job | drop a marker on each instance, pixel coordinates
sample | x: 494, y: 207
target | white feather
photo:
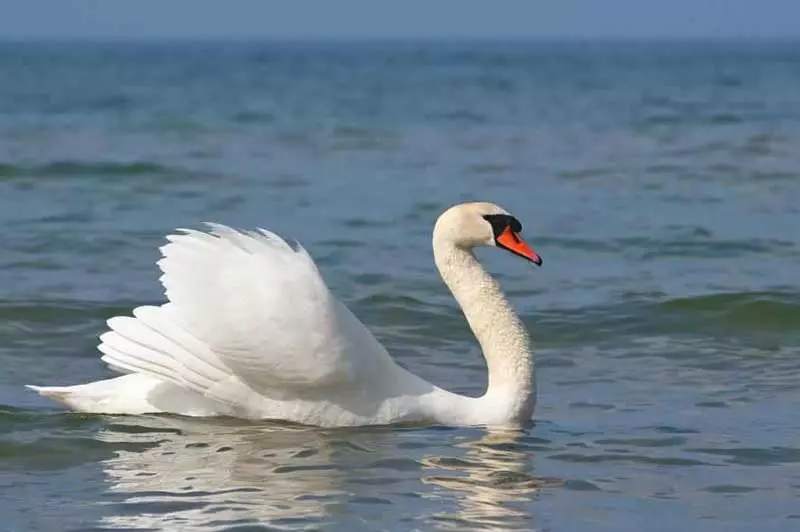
x: 264, y: 310
x: 251, y: 330
x: 251, y: 326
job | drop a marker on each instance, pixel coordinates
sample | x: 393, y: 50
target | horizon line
x: 410, y: 39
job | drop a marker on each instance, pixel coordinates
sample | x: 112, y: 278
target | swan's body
x: 251, y: 330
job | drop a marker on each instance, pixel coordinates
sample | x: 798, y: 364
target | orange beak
x: 511, y: 241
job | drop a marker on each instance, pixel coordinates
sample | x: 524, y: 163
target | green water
x: 660, y: 183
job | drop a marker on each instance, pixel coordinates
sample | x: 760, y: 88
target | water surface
x: 659, y: 182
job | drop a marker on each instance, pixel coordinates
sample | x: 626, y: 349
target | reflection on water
x: 202, y: 474
x: 492, y: 475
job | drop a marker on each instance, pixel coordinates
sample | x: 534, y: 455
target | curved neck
x: 503, y: 339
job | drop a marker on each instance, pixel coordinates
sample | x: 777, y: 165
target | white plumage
x: 251, y: 330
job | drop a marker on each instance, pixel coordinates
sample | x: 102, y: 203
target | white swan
x: 251, y: 330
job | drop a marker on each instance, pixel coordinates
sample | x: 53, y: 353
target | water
x: 658, y: 181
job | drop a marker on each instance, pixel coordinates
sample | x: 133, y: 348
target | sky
x: 399, y: 19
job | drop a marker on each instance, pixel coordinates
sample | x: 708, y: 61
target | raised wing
x: 262, y: 307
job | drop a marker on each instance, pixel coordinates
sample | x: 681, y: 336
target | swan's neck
x: 503, y: 339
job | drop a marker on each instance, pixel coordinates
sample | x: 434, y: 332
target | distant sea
x: 659, y: 181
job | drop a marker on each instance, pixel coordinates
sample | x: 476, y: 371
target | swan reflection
x: 192, y: 474
x: 490, y: 482
x: 195, y: 474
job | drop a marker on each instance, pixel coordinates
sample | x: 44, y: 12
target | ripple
x: 763, y: 310
x: 643, y: 442
x: 697, y: 242
x: 755, y: 456
x: 648, y: 319
x: 629, y: 458
x: 59, y: 311
x: 83, y: 169
x: 729, y: 489
x: 32, y: 441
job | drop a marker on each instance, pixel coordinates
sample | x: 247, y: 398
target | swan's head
x: 470, y: 225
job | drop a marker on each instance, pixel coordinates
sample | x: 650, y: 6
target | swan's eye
x: 506, y: 230
x: 500, y: 222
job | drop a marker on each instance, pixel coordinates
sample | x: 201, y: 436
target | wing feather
x: 262, y: 310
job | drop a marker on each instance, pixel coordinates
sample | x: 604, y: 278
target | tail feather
x: 57, y: 393
x: 81, y: 397
x: 60, y: 394
x: 132, y: 394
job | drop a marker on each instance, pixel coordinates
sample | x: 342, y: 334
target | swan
x: 250, y: 330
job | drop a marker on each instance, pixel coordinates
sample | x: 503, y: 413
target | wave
x: 742, y: 315
x: 770, y: 310
x: 70, y: 168
x: 694, y: 242
x: 47, y: 311
x: 52, y: 440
